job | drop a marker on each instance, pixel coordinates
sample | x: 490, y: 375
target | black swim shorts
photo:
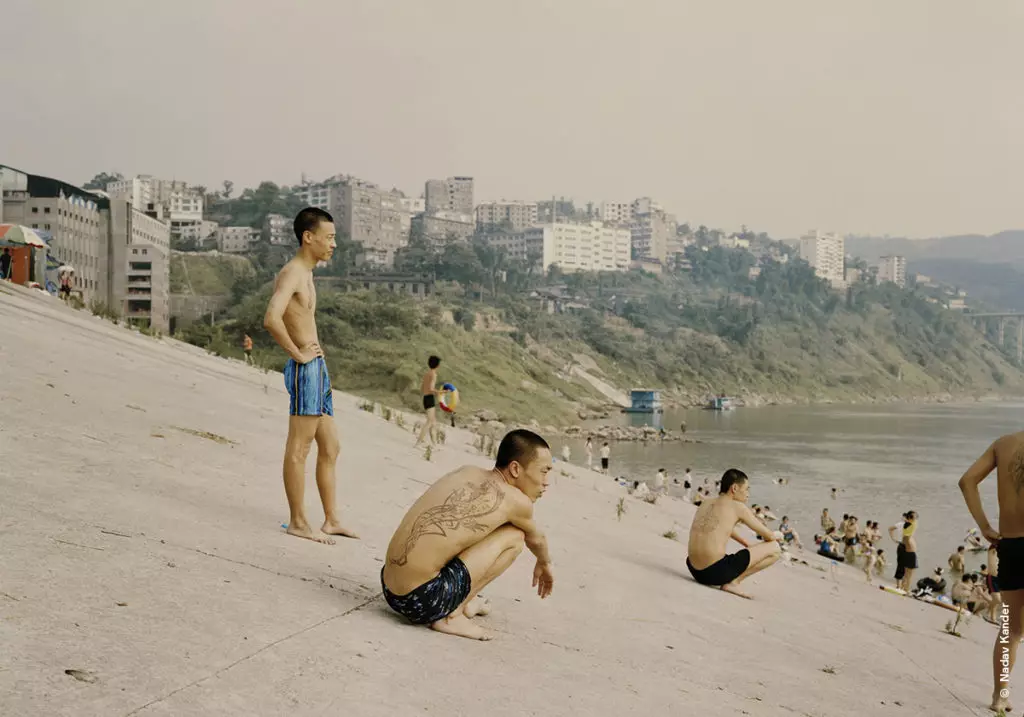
x: 435, y: 599
x: 850, y: 542
x: 722, y: 572
x: 1011, y: 564
x: 429, y: 401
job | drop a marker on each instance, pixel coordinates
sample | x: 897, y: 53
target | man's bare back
x: 464, y: 532
x: 456, y: 512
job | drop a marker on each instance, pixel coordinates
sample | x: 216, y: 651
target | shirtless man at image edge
x: 1006, y: 457
x: 291, y: 320
x: 465, y: 531
x: 714, y: 524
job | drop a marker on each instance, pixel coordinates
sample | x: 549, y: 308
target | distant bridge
x: 1003, y: 317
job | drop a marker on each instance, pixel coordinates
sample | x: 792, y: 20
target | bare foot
x: 333, y: 527
x: 1000, y: 704
x: 477, y: 606
x: 307, y: 533
x: 459, y: 624
x: 734, y: 589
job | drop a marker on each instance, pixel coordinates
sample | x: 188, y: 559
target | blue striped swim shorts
x: 309, y: 388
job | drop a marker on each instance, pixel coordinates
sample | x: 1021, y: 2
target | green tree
x: 101, y: 180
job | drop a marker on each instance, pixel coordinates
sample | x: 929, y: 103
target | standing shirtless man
x: 465, y: 531
x: 1006, y: 456
x: 428, y: 387
x: 290, y: 319
x: 714, y: 523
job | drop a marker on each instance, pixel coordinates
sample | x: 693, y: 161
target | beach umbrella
x: 18, y: 235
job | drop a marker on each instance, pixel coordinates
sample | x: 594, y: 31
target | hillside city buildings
x: 119, y: 240
x: 826, y: 253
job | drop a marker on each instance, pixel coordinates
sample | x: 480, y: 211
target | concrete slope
x: 152, y: 561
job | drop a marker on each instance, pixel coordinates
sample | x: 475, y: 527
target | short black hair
x: 433, y: 362
x: 519, y: 445
x: 960, y: 548
x: 732, y: 477
x: 308, y: 220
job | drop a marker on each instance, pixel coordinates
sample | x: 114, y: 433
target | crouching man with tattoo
x: 465, y: 531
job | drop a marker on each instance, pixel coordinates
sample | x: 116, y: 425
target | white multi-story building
x: 170, y: 198
x: 279, y: 230
x: 367, y: 214
x: 893, y: 269
x: 616, y: 212
x: 507, y: 215
x: 826, y: 253
x: 593, y: 246
x: 236, y: 240
x: 454, y: 194
x: 316, y: 195
x: 442, y: 227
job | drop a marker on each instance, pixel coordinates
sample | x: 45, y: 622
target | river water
x: 884, y: 460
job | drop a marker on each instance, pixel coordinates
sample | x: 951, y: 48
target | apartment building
x: 454, y: 194
x: 101, y: 238
x: 316, y: 195
x: 172, y: 199
x: 442, y: 227
x: 893, y: 269
x: 513, y: 216
x: 653, y: 231
x: 826, y: 253
x: 616, y: 212
x: 367, y: 214
x: 279, y: 230
x: 76, y: 221
x: 139, y: 266
x: 236, y: 240
x: 590, y: 246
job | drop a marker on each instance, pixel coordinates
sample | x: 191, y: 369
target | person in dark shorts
x: 465, y: 531
x: 715, y: 524
x: 428, y: 388
x: 1006, y: 457
x: 606, y: 452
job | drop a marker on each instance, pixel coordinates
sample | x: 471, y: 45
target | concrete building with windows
x: 616, y: 212
x: 279, y: 230
x: 444, y: 227
x: 316, y: 195
x: 826, y: 253
x: 101, y: 237
x: 170, y: 199
x: 512, y: 216
x: 367, y: 214
x: 454, y: 194
x: 236, y: 240
x: 589, y: 246
x: 893, y: 269
x: 653, y: 231
x: 77, y: 221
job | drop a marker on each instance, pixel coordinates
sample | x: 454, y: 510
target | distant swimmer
x: 1006, y: 457
x: 714, y: 524
x: 463, y: 532
x: 291, y: 320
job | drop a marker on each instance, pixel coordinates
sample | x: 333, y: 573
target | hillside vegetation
x: 782, y: 336
x: 208, y: 274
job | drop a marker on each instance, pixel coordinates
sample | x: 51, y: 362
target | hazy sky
x: 903, y: 117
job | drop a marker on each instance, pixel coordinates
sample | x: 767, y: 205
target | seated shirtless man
x: 465, y: 531
x: 1006, y: 457
x: 713, y: 525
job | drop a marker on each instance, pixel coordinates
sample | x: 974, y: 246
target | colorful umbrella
x: 13, y: 234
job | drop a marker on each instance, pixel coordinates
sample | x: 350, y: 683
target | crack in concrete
x: 222, y: 670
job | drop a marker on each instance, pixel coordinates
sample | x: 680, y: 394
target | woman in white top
x: 589, y: 448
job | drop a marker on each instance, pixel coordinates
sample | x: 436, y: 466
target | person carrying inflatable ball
x: 430, y: 394
x: 448, y: 400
